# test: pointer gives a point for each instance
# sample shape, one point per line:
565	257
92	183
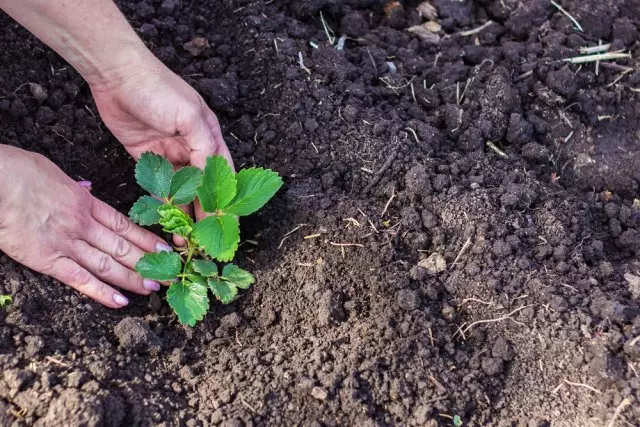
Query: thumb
206	141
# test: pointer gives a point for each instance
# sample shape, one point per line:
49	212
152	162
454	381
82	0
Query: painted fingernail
151	285
120	300
85	184
163	247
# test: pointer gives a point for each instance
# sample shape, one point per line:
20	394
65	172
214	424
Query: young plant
5	301
192	269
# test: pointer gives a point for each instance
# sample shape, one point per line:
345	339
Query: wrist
118	68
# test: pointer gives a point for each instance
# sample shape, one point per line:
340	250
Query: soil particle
319	393
220	93
417	181
408	299
353	24
34	344
434	263
330	308
135	335
562	81
502	349
17	379
492	366
77	408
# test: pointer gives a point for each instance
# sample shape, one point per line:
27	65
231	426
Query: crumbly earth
447	278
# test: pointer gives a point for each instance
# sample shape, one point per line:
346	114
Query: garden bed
408	272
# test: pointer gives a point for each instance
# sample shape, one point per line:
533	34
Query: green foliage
219	185
218	236
237	276
163	266
154	174
255	187
223	290
5	301
184	185
222	193
189	300
457	421
145	211
175	221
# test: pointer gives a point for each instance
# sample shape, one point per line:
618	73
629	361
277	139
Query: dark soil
544	239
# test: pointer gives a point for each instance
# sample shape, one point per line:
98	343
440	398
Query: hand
155	110
53	225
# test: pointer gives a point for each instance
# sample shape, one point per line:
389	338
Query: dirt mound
472	197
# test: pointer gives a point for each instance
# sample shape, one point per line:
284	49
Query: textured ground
500	286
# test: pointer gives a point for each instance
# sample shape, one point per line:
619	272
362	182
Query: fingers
123	226
72	274
106	268
118	247
206	140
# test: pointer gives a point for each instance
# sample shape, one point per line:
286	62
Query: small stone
434	264
35	343
196	46
38	92
319	393
634	284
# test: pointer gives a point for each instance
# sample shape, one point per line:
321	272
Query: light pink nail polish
120	300
85	184
163	247
151	285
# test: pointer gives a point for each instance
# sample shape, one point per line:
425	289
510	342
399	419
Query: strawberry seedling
192	269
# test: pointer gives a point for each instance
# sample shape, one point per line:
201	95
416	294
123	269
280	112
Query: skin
49	222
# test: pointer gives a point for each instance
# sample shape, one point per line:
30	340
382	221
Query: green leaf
159	266
218	184
205	267
154	174
457	421
174	220
255	187
224	291
219	236
5	301
189	300
184	184
239	277
145	211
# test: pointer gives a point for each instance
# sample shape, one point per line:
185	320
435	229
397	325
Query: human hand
153	109
53	225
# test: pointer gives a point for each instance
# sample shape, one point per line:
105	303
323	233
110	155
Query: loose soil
446	279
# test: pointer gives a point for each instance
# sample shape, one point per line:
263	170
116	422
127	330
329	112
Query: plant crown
222	193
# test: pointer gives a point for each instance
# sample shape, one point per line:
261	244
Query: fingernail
163	247
151	285
120	300
85	184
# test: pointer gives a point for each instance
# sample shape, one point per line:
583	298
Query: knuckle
123	247
104	265
121	223
79	276
102	291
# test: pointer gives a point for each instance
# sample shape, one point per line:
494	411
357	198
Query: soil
449	278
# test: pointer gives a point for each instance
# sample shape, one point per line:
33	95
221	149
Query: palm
162	114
